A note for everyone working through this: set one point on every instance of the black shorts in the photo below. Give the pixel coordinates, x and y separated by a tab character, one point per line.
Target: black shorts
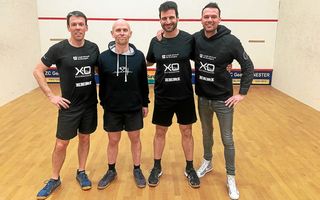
128	121
164	110
74	120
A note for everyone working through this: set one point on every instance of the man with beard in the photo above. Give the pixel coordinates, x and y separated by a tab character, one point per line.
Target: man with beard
173	90
123	93
215	47
75	59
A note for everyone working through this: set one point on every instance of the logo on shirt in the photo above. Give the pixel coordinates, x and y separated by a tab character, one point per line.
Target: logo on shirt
171	68
83	71
207	68
207	57
81	57
170	56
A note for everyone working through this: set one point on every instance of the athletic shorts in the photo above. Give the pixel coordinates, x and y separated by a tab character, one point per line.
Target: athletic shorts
128	121
164	110
76	120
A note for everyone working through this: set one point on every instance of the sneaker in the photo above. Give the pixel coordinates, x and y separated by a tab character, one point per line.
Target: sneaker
51	185
193	178
139	178
153	179
205	167
83	180
232	188
107	179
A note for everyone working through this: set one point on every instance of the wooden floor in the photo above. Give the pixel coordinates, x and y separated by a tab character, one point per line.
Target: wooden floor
277	153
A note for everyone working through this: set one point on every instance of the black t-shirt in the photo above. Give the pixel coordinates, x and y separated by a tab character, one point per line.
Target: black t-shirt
173	70
76	70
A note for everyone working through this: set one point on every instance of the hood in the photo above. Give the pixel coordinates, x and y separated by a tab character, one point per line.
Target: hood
130	52
222	30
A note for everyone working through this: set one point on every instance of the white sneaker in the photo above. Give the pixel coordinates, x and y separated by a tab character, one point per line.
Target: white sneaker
205	167
232	188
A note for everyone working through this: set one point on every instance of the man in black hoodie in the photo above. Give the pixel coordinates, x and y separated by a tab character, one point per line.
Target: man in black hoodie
123	93
215	47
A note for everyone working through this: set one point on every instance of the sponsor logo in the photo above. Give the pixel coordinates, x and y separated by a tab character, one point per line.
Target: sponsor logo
207	57
83	71
82	84
170	56
175	79
206	78
81	57
207	67
171	68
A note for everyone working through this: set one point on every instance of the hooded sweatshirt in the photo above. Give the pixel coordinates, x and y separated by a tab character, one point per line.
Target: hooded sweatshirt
123	80
212	55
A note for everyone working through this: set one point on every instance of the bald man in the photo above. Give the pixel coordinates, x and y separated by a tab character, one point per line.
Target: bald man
124	97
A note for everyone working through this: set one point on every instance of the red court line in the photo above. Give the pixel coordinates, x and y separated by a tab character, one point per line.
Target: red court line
156	20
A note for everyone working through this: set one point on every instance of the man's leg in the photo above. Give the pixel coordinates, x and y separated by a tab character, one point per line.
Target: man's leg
58	157
112	149
139	178
159	141
134	137
83	150
187	141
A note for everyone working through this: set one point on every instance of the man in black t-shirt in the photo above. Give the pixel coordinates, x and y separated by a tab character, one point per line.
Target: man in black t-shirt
75	60
173	89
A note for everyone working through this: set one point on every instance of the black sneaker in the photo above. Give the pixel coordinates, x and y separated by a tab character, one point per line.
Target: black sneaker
153	179
107	179
193	178
139	178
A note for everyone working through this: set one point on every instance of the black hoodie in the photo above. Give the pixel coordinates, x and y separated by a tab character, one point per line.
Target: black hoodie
123	80
212	55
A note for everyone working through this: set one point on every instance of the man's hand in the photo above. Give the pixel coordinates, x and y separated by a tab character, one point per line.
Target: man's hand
60	102
229	67
159	34
234	100
145	111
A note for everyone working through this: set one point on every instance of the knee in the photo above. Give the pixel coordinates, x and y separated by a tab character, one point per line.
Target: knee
61	145
84	139
113	141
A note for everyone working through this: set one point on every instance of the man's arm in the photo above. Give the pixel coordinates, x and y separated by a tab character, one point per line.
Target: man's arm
38	74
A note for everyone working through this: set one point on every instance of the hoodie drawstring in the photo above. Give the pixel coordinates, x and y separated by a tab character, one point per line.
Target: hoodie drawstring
126	70
117	64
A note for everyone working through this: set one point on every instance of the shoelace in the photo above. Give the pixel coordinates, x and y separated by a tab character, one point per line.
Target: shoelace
203	166
49	184
139	174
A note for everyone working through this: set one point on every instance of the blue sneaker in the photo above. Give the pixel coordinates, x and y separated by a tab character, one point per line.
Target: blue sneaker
83	180
107	179
51	185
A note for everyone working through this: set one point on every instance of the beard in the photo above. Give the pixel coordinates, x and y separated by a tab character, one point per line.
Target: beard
172	28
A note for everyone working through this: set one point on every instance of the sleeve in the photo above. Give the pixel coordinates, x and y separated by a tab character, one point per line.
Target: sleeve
193	46
50	57
101	82
150	54
144	83
247	68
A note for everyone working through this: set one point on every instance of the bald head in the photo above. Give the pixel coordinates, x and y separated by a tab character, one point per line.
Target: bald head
121	32
122	23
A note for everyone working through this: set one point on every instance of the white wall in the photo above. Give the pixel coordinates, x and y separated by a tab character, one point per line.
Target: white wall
296	68
19	47
99	31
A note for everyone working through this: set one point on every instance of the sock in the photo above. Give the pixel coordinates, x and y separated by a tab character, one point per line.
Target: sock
157	163
112	166
189	165
78	171
136	166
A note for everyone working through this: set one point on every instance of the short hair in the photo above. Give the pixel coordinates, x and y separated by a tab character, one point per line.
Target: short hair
77	14
212	5
168	5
